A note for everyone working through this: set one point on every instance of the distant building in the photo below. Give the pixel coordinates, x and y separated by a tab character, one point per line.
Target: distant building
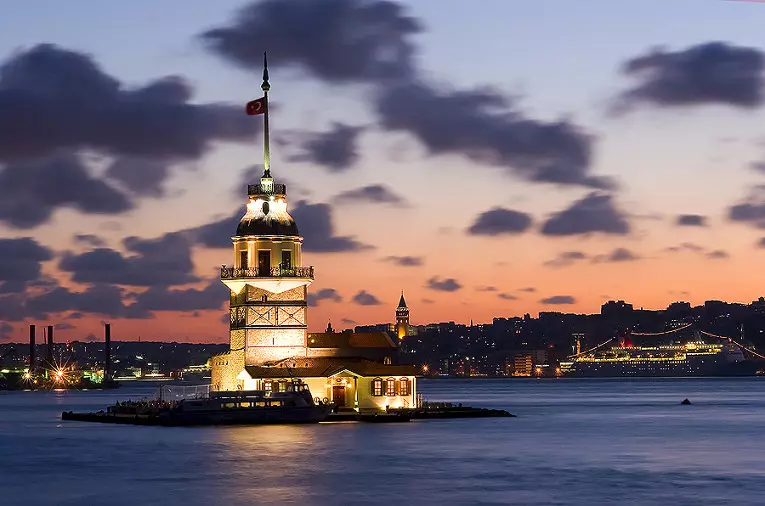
523	365
402	318
616	309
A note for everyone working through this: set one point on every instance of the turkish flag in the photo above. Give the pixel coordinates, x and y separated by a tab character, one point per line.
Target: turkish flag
256	106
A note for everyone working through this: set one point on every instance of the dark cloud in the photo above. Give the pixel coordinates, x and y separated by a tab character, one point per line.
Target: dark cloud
31	190
428	301
20	263
404	261
617	255
686	246
487	288
105	300
348	321
53	99
758	166
64	326
334	40
334	149
498	221
142	176
481	125
315	222
161	298
717	254
75	316
507	296
691	220
443	285
761	242
751	211
216	234
594	213
154	262
709	73
364	298
323	294
565	259
6	331
375	193
88	240
558	299
528	289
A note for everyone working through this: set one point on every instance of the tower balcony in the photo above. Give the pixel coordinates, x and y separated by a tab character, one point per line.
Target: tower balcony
266	189
227	273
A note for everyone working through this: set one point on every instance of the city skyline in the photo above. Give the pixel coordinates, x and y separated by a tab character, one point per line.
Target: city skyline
484	179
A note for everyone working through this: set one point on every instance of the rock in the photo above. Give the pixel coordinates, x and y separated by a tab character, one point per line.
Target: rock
686	402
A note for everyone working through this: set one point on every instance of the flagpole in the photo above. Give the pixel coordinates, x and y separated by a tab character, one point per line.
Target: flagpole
265	87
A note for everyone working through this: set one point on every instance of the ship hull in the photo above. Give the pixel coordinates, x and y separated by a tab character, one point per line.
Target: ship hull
707	366
248	416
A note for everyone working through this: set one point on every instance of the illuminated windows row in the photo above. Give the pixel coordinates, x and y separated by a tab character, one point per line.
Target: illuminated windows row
391	386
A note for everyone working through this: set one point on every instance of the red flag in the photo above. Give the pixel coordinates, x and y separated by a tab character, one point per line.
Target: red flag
256	106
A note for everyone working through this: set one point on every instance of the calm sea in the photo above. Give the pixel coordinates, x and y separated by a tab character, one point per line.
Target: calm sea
585	442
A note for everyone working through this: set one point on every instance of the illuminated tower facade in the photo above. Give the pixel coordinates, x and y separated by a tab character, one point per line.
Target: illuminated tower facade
402	318
267	280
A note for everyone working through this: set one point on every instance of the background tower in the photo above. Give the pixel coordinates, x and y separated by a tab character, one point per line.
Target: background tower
267	280
402	318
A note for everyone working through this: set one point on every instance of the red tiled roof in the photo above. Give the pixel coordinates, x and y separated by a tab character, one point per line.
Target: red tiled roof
325	367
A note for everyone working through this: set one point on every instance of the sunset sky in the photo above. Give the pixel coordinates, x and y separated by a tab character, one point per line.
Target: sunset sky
490	158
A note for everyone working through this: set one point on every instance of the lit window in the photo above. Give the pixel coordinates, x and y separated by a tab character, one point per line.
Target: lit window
390	386
267	386
377	387
403	386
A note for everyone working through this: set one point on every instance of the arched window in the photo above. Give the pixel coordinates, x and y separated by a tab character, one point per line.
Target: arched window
403	386
390	386
264	298
377	387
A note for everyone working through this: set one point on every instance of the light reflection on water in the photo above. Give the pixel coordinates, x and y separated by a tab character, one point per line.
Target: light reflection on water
574	442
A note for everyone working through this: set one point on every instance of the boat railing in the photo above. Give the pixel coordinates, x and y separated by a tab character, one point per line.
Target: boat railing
181	392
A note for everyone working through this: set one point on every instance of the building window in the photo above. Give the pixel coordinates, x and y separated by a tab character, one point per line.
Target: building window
377	387
403	386
267	386
286	259
390	386
243	260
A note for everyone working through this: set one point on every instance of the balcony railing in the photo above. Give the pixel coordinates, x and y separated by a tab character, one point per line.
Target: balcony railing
274	272
272	189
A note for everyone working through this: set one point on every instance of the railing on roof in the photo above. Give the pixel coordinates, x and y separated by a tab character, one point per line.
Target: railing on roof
274	272
269	189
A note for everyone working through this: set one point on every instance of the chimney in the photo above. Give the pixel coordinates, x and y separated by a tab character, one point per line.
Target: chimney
107	352
31	349
50	347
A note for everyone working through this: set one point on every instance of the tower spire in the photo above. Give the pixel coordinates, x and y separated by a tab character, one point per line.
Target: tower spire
266	86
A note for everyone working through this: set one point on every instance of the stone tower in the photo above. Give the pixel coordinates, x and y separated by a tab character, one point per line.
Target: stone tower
268	281
402	318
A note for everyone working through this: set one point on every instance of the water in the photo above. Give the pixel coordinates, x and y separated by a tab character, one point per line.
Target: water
574	442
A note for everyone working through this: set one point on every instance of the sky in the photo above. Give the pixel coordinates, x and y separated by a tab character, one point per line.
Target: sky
489	158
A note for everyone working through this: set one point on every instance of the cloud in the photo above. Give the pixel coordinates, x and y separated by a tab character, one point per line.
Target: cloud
404	261
216	234
323	294
88	240
142	176
717	254
334	149
686	246
443	285
374	194
565	259
709	73
105	300
528	289
6	331
31	190
162	261
161	298
64	326
487	288
76	105
348	321
428	301
364	298
507	296
761	242
558	299
617	255
691	220
752	210
498	221
481	125
341	41
315	220
20	263
594	213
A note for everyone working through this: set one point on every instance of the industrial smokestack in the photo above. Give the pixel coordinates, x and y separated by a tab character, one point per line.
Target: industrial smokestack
50	346
32	356
107	352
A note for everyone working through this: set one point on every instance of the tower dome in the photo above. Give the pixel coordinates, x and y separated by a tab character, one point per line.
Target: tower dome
267	211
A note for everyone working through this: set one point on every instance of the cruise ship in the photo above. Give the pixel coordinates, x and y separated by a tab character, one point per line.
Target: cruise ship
691	359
